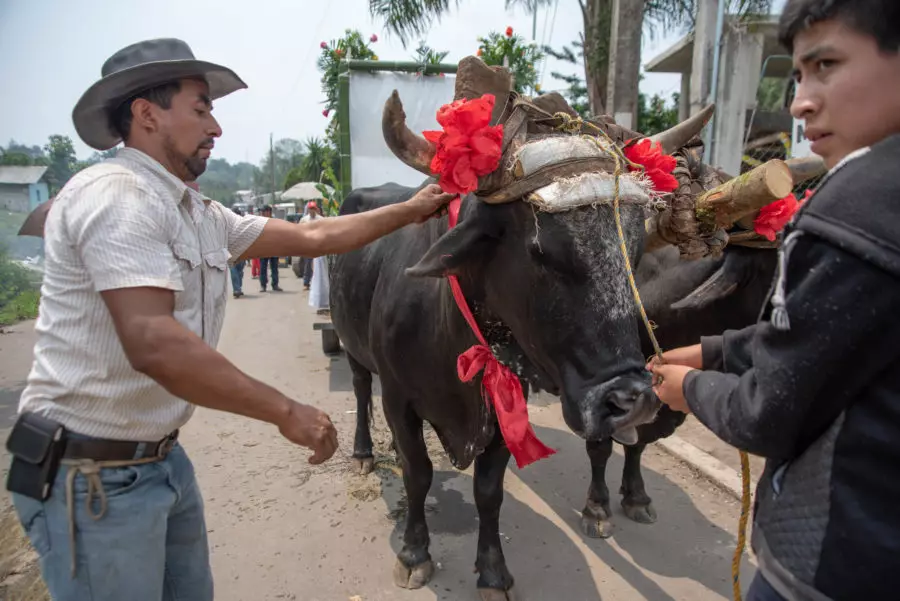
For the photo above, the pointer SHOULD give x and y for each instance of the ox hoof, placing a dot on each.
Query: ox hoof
(595, 527)
(412, 578)
(493, 594)
(364, 466)
(642, 514)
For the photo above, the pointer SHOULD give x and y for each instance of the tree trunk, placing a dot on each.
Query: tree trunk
(597, 16)
(624, 65)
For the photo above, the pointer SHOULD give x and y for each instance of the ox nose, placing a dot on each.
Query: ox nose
(624, 403)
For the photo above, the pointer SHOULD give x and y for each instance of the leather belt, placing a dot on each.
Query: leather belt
(98, 449)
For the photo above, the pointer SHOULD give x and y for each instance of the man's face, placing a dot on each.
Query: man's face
(848, 90)
(188, 129)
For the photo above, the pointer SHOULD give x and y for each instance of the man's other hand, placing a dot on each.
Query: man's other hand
(311, 428)
(429, 202)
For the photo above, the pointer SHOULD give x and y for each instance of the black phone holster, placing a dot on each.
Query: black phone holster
(37, 445)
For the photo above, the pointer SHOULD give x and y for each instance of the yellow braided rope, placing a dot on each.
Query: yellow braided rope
(573, 125)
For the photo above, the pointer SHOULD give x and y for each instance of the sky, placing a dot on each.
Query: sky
(51, 52)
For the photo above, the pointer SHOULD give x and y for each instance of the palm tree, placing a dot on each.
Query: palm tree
(406, 18)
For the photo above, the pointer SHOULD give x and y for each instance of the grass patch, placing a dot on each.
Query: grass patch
(20, 574)
(23, 306)
(19, 291)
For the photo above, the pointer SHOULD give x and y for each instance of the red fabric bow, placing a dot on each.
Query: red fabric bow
(773, 217)
(468, 147)
(657, 166)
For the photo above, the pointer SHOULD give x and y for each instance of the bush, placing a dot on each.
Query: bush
(19, 293)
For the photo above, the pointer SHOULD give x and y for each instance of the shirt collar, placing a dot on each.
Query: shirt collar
(178, 188)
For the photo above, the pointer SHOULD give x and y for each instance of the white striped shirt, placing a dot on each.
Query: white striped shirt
(124, 223)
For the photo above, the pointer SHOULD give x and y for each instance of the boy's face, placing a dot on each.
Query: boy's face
(848, 90)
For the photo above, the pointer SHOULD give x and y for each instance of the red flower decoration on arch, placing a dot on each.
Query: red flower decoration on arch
(468, 147)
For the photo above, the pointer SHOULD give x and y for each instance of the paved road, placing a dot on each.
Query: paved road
(280, 529)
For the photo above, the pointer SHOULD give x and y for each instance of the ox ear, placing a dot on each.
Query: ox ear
(717, 286)
(466, 243)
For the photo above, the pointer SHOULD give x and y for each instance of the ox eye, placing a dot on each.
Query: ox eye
(556, 259)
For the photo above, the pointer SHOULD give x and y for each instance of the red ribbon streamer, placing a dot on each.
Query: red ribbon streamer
(501, 385)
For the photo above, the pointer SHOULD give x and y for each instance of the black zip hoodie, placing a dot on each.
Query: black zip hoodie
(814, 387)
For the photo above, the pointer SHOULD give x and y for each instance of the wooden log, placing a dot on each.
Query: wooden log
(745, 194)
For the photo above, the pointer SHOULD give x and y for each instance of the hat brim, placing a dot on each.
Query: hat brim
(91, 114)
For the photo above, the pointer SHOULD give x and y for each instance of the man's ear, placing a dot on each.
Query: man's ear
(470, 240)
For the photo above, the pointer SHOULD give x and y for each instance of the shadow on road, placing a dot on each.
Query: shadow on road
(683, 544)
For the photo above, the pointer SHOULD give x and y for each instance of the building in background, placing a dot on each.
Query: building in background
(22, 189)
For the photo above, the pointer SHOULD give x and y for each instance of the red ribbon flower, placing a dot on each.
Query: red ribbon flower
(323, 45)
(374, 38)
(325, 112)
(468, 147)
(773, 217)
(509, 32)
(657, 166)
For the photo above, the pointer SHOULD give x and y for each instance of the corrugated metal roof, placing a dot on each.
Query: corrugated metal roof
(21, 175)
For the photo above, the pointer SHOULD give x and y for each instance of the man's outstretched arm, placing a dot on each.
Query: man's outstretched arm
(343, 234)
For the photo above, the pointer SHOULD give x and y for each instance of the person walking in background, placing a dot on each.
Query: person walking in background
(237, 271)
(254, 268)
(312, 213)
(270, 262)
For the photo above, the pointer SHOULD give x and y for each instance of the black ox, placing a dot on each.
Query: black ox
(550, 293)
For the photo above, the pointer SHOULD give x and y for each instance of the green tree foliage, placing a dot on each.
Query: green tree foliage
(426, 55)
(351, 46)
(511, 51)
(61, 162)
(221, 179)
(654, 115)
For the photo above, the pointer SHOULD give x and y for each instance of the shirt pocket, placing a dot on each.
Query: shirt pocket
(188, 259)
(217, 276)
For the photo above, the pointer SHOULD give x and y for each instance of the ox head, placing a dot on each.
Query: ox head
(548, 264)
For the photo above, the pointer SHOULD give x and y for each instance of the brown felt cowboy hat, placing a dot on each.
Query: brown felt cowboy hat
(136, 68)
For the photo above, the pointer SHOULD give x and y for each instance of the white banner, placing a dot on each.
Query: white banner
(371, 161)
(800, 145)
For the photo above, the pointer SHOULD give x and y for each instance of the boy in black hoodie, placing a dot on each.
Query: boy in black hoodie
(814, 387)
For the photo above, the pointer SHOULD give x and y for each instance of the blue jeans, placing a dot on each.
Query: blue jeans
(272, 263)
(761, 590)
(237, 277)
(149, 546)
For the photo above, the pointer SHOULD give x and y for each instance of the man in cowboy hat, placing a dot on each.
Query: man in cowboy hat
(133, 303)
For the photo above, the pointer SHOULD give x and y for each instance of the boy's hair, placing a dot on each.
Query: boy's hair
(877, 18)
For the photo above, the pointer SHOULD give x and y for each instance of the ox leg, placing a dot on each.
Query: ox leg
(414, 567)
(494, 580)
(637, 504)
(635, 501)
(363, 458)
(596, 513)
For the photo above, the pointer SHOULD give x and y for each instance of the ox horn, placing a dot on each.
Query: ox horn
(412, 149)
(674, 138)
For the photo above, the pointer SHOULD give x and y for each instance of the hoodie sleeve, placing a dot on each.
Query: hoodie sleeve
(842, 333)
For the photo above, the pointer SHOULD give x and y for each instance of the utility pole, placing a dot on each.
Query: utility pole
(534, 25)
(272, 165)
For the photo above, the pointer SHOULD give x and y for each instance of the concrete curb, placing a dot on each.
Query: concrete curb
(711, 468)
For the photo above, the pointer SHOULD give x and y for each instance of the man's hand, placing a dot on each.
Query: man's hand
(688, 356)
(310, 428)
(429, 202)
(668, 384)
